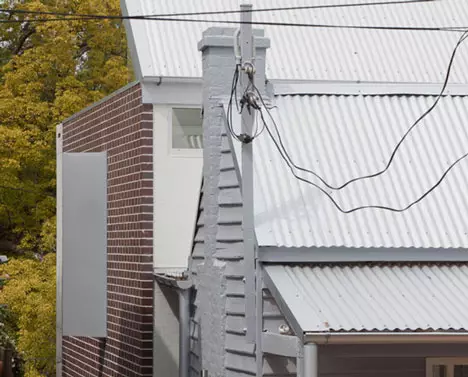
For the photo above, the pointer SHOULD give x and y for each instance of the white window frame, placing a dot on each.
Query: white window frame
(181, 152)
(448, 362)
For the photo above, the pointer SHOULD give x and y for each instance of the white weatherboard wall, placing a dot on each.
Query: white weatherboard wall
(177, 182)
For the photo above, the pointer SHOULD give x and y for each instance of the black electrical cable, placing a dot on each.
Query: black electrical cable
(233, 94)
(397, 147)
(305, 7)
(245, 103)
(232, 22)
(258, 131)
(360, 208)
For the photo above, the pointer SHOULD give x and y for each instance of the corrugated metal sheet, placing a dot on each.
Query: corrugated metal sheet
(170, 48)
(342, 137)
(379, 298)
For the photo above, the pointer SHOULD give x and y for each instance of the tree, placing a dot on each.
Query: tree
(29, 295)
(48, 71)
(6, 331)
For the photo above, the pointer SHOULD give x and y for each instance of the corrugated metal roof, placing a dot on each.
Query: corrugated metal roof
(342, 137)
(379, 298)
(170, 48)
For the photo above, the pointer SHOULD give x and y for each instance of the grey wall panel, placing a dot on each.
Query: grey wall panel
(84, 244)
(166, 331)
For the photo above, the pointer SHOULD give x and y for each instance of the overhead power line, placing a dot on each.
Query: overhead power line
(360, 208)
(258, 23)
(294, 167)
(172, 17)
(463, 37)
(220, 12)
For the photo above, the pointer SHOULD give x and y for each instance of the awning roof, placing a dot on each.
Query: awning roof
(385, 298)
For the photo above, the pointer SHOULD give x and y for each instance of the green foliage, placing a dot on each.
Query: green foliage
(29, 295)
(6, 329)
(48, 71)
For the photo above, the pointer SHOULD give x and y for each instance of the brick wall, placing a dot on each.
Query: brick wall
(122, 126)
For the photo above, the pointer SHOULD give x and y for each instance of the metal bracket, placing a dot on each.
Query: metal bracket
(237, 52)
(169, 281)
(281, 345)
(249, 68)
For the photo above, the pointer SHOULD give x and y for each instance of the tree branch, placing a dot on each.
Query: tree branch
(83, 49)
(27, 32)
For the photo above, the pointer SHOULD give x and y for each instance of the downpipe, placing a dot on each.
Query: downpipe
(184, 332)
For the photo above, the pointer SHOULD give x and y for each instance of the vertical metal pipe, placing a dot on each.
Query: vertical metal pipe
(259, 320)
(184, 332)
(310, 360)
(300, 366)
(248, 119)
(59, 298)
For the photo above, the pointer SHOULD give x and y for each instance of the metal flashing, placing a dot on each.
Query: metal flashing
(182, 283)
(360, 88)
(275, 254)
(59, 252)
(132, 45)
(283, 306)
(282, 345)
(101, 101)
(223, 37)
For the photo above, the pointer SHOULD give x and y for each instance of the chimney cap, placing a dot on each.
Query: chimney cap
(224, 37)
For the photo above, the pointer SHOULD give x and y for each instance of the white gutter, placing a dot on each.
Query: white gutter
(386, 338)
(158, 80)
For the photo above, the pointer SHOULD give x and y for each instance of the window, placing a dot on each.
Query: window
(447, 367)
(187, 131)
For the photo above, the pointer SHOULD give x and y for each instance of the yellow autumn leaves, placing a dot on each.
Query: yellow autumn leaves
(48, 72)
(29, 294)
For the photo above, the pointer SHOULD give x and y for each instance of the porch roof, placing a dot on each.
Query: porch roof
(423, 298)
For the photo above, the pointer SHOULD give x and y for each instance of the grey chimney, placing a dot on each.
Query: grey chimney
(217, 47)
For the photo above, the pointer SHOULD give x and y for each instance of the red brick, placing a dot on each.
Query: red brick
(122, 126)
